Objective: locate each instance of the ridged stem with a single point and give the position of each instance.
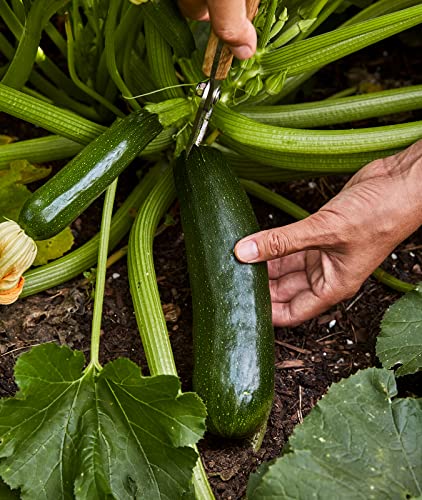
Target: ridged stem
(62, 122)
(100, 277)
(160, 61)
(299, 213)
(318, 163)
(328, 142)
(337, 110)
(110, 53)
(307, 55)
(43, 149)
(146, 298)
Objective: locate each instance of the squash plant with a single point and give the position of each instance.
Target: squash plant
(87, 432)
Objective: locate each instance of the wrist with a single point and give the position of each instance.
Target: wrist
(408, 168)
(404, 171)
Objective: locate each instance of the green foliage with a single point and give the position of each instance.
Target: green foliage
(96, 434)
(400, 340)
(360, 441)
(14, 193)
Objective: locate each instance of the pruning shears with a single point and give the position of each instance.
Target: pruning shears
(217, 62)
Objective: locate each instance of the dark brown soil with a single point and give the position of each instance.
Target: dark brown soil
(308, 358)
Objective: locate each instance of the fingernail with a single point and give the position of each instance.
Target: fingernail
(242, 51)
(247, 251)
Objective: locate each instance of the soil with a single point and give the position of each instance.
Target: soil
(308, 358)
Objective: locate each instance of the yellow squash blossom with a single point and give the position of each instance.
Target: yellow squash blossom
(17, 253)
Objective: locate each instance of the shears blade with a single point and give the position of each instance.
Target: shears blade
(210, 93)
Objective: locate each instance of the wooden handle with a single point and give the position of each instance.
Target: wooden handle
(226, 56)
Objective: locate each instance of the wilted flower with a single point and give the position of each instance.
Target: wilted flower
(17, 253)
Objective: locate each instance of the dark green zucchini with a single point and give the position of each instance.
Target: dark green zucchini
(65, 196)
(233, 337)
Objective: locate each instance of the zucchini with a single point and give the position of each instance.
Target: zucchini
(233, 337)
(65, 196)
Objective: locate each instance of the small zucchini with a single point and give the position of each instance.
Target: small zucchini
(233, 337)
(65, 196)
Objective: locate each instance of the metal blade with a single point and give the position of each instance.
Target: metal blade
(209, 96)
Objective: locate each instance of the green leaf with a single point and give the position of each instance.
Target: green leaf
(54, 247)
(358, 442)
(70, 433)
(28, 172)
(12, 198)
(13, 195)
(400, 340)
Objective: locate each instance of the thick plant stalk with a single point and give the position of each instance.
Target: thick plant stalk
(302, 162)
(160, 60)
(83, 258)
(327, 142)
(339, 110)
(299, 213)
(62, 122)
(146, 298)
(52, 147)
(377, 9)
(317, 51)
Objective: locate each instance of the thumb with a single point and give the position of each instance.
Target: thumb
(306, 234)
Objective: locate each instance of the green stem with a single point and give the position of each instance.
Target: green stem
(110, 54)
(47, 88)
(321, 17)
(62, 122)
(329, 142)
(299, 213)
(21, 65)
(101, 273)
(318, 163)
(146, 299)
(43, 149)
(310, 54)
(266, 30)
(393, 282)
(72, 71)
(337, 110)
(83, 258)
(160, 61)
(142, 279)
(56, 38)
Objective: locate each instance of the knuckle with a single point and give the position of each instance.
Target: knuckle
(276, 244)
(230, 35)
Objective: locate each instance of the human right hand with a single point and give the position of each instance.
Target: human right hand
(229, 22)
(323, 259)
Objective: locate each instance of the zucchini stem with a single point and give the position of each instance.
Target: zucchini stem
(101, 273)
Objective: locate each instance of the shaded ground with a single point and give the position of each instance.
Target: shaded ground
(308, 358)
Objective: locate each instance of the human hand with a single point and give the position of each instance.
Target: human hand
(323, 259)
(229, 21)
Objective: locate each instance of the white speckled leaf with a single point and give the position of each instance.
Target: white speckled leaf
(400, 340)
(357, 443)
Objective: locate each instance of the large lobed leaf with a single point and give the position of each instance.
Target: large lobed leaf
(70, 433)
(357, 443)
(400, 340)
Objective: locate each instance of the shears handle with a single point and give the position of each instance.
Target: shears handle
(226, 56)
